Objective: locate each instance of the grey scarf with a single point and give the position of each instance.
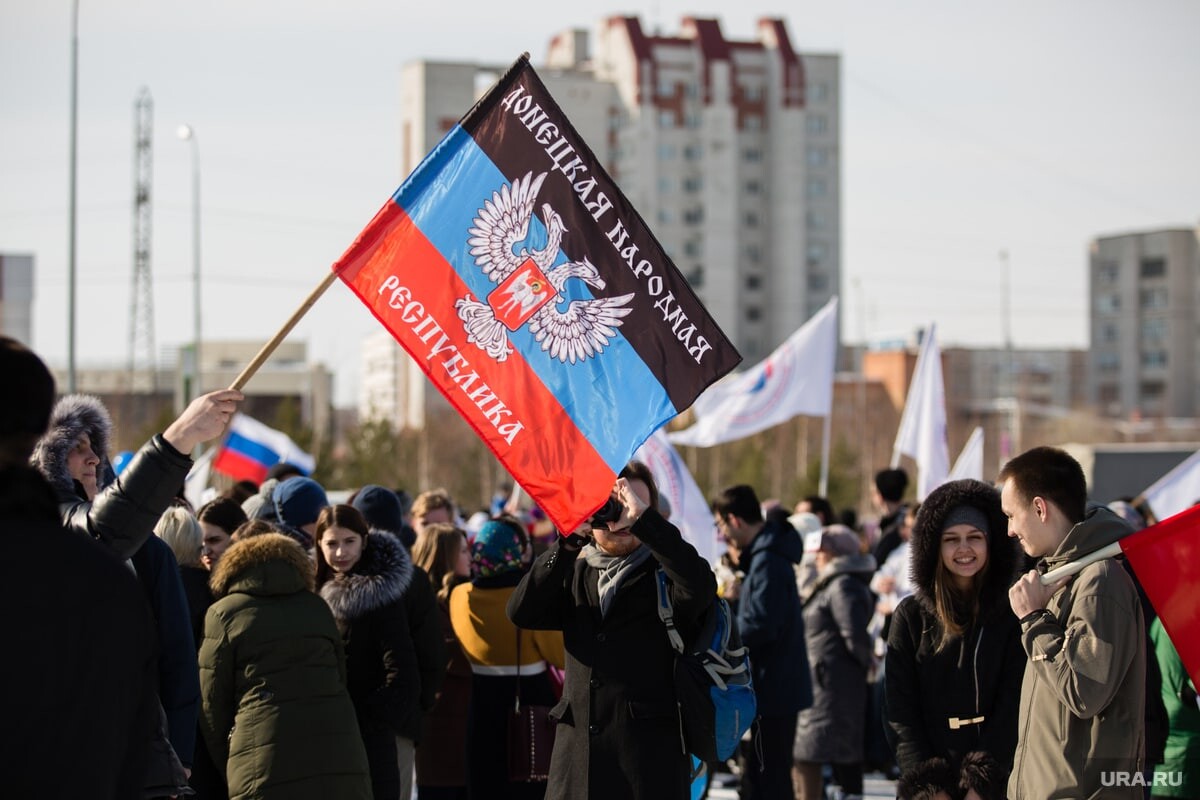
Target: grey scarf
(613, 571)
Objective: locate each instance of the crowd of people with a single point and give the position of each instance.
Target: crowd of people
(272, 644)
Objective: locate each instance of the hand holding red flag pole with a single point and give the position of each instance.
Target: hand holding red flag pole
(265, 352)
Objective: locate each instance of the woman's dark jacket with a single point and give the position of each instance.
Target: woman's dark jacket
(277, 717)
(381, 664)
(619, 730)
(840, 650)
(770, 623)
(932, 696)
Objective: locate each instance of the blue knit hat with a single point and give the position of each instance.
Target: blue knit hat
(496, 549)
(380, 507)
(298, 501)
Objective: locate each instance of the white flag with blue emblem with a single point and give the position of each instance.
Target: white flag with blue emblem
(689, 511)
(795, 379)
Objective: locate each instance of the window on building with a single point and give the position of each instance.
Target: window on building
(1109, 333)
(665, 185)
(817, 156)
(816, 188)
(818, 92)
(815, 220)
(691, 248)
(753, 93)
(753, 187)
(1153, 268)
(817, 124)
(693, 152)
(1108, 303)
(1154, 298)
(817, 252)
(666, 88)
(752, 155)
(818, 282)
(1154, 330)
(753, 282)
(666, 152)
(692, 120)
(693, 184)
(1107, 271)
(750, 219)
(752, 122)
(753, 313)
(1153, 390)
(1109, 393)
(666, 118)
(695, 276)
(1108, 362)
(1154, 359)
(753, 253)
(694, 216)
(666, 216)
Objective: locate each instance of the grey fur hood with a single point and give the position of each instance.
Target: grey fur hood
(380, 578)
(73, 416)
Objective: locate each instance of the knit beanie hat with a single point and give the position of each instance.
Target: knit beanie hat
(380, 507)
(840, 541)
(26, 410)
(496, 549)
(298, 501)
(966, 514)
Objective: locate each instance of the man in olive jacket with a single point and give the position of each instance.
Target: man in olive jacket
(618, 730)
(1080, 732)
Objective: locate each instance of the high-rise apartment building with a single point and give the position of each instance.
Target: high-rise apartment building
(1145, 290)
(728, 148)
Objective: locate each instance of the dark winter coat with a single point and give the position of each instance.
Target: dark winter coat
(277, 716)
(976, 675)
(424, 625)
(442, 756)
(770, 622)
(78, 677)
(619, 730)
(839, 654)
(381, 664)
(124, 513)
(122, 516)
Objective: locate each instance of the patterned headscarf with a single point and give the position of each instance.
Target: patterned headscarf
(496, 550)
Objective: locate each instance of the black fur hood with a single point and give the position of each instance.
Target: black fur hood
(73, 416)
(927, 540)
(380, 578)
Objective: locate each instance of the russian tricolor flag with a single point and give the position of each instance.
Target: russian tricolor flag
(534, 296)
(251, 449)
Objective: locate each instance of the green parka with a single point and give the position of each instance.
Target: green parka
(276, 716)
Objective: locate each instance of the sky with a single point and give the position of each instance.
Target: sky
(968, 129)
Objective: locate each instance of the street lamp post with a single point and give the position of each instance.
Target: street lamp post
(186, 133)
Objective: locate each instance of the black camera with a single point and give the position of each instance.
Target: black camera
(609, 512)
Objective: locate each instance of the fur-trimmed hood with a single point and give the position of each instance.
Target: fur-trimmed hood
(927, 541)
(73, 416)
(268, 564)
(380, 578)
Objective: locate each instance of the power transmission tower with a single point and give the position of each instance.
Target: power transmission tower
(141, 309)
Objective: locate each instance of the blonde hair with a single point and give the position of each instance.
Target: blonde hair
(437, 553)
(182, 533)
(431, 500)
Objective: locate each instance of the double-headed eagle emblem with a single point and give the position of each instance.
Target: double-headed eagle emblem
(530, 286)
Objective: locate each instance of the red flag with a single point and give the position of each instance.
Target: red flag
(1166, 558)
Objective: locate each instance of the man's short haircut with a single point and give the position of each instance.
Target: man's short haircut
(822, 508)
(891, 484)
(983, 773)
(25, 407)
(740, 501)
(926, 781)
(636, 470)
(432, 500)
(1050, 473)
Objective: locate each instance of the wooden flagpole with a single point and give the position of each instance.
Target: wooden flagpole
(277, 339)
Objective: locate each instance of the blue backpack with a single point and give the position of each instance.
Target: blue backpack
(713, 687)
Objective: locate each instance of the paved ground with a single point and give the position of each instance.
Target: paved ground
(874, 788)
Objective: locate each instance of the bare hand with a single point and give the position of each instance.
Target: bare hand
(205, 418)
(632, 506)
(1028, 594)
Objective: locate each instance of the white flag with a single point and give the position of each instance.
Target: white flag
(689, 510)
(1177, 490)
(922, 434)
(196, 484)
(970, 460)
(795, 379)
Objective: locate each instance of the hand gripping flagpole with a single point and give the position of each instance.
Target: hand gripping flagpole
(277, 339)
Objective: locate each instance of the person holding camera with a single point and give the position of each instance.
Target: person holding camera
(619, 732)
